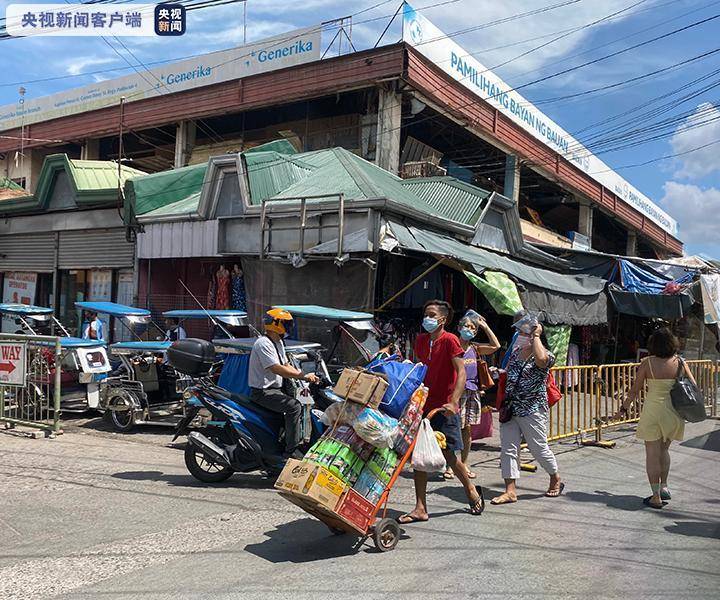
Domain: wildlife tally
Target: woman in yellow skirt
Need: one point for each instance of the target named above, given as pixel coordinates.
(659, 423)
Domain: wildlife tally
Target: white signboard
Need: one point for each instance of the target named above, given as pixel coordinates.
(93, 360)
(459, 64)
(710, 285)
(285, 50)
(12, 363)
(18, 288)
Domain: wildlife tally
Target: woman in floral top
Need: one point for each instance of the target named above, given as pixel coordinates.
(526, 392)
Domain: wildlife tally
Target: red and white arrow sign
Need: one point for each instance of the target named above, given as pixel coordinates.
(12, 363)
(7, 367)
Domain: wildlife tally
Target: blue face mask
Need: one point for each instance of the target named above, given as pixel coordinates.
(429, 324)
(467, 334)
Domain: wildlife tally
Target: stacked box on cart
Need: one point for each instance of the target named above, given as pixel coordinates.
(310, 481)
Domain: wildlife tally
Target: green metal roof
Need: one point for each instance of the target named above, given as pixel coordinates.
(452, 198)
(162, 190)
(94, 182)
(275, 175)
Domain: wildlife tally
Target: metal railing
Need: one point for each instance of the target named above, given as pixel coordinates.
(593, 394)
(35, 401)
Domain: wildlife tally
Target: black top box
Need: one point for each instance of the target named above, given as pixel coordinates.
(192, 356)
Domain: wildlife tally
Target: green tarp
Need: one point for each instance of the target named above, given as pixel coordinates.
(558, 337)
(499, 290)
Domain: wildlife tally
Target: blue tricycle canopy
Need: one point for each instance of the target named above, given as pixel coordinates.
(25, 310)
(244, 345)
(228, 316)
(115, 310)
(75, 342)
(150, 346)
(310, 311)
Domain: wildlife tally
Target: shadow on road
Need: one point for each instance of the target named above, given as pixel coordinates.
(709, 441)
(620, 501)
(695, 529)
(303, 541)
(255, 481)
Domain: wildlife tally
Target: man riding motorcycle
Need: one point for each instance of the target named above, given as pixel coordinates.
(268, 367)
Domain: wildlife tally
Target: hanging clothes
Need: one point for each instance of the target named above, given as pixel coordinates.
(212, 292)
(239, 301)
(222, 301)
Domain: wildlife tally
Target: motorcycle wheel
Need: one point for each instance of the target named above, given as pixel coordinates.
(121, 420)
(204, 470)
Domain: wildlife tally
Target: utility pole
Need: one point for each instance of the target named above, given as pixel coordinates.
(244, 22)
(21, 105)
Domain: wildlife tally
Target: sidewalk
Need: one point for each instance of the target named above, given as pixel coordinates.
(92, 516)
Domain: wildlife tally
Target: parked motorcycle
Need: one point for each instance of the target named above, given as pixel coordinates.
(240, 436)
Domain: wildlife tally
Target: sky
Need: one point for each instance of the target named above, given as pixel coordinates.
(678, 108)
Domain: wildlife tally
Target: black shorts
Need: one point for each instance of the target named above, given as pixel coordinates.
(450, 427)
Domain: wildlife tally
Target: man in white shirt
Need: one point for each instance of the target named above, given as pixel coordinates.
(175, 331)
(268, 367)
(93, 328)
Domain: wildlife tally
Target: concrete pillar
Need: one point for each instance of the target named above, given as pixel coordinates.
(184, 142)
(631, 248)
(512, 178)
(585, 222)
(388, 130)
(90, 150)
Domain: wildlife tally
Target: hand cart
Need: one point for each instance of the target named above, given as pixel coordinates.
(384, 531)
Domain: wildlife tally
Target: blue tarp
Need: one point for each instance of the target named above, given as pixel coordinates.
(639, 280)
(142, 346)
(323, 312)
(74, 342)
(234, 376)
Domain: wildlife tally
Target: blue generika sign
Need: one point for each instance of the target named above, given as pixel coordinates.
(279, 52)
(463, 67)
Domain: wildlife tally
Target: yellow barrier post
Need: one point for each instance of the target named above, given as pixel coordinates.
(600, 386)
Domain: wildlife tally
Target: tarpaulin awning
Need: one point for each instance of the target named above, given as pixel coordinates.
(556, 308)
(422, 240)
(641, 280)
(499, 290)
(661, 306)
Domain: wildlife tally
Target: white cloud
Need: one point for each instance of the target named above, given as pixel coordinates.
(697, 211)
(699, 129)
(81, 64)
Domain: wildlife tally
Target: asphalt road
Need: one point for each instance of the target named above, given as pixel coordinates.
(93, 514)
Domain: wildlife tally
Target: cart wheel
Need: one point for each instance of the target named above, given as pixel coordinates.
(386, 535)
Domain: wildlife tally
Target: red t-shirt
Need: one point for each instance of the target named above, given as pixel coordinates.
(440, 377)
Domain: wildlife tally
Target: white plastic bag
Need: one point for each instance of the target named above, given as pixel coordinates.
(427, 455)
(375, 428)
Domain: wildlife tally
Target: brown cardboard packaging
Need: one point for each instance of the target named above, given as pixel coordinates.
(362, 388)
(308, 480)
(356, 509)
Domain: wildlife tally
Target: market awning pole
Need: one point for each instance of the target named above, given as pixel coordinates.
(412, 283)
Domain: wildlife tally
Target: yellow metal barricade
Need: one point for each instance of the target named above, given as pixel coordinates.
(575, 413)
(705, 373)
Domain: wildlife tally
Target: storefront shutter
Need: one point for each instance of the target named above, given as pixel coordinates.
(28, 252)
(99, 248)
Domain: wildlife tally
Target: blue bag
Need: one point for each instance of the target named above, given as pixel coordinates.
(234, 376)
(403, 379)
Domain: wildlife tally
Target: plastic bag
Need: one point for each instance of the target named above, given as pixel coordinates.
(427, 455)
(375, 428)
(403, 379)
(342, 413)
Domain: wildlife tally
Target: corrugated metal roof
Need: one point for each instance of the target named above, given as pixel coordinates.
(270, 172)
(99, 174)
(452, 198)
(186, 206)
(151, 192)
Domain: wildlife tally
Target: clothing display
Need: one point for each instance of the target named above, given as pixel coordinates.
(222, 299)
(428, 288)
(239, 301)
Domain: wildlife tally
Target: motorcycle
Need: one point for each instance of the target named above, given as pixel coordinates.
(239, 436)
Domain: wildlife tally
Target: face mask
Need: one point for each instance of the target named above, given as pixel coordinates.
(522, 342)
(467, 334)
(429, 324)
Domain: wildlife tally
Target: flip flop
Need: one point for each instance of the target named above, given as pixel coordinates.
(665, 494)
(472, 475)
(496, 501)
(646, 502)
(408, 519)
(477, 507)
(448, 475)
(554, 493)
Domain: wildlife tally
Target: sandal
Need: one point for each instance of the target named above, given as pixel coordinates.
(647, 502)
(555, 492)
(477, 507)
(408, 518)
(471, 474)
(448, 475)
(503, 498)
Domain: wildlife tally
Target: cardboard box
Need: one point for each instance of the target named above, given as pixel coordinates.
(356, 509)
(362, 388)
(309, 480)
